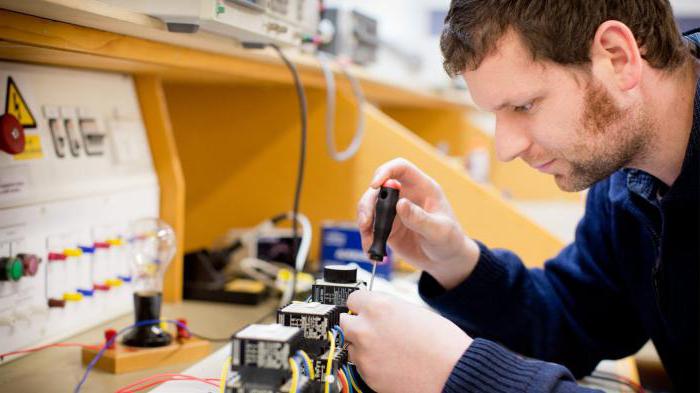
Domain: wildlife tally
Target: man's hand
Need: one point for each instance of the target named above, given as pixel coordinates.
(426, 234)
(400, 347)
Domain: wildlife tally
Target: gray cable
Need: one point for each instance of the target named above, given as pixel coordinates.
(330, 111)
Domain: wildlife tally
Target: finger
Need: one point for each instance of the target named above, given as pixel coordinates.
(398, 168)
(349, 325)
(358, 301)
(365, 210)
(417, 219)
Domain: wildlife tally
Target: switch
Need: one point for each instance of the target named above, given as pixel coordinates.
(115, 242)
(56, 257)
(68, 114)
(11, 269)
(30, 262)
(58, 137)
(101, 245)
(57, 303)
(72, 252)
(87, 250)
(86, 292)
(72, 297)
(11, 134)
(113, 282)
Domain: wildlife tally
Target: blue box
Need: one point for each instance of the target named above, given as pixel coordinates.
(341, 244)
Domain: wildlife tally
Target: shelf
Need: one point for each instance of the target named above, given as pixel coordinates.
(174, 58)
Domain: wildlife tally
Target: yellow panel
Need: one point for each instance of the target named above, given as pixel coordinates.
(239, 149)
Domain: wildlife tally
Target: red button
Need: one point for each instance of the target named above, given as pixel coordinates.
(101, 245)
(100, 287)
(30, 263)
(11, 134)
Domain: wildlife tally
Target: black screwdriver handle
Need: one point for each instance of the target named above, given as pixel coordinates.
(384, 213)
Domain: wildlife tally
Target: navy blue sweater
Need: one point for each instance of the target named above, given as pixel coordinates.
(630, 275)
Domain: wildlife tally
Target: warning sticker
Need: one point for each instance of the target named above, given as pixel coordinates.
(32, 148)
(17, 106)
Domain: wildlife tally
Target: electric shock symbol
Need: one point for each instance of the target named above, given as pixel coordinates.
(17, 106)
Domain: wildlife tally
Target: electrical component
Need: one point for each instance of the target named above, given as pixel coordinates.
(314, 319)
(260, 359)
(356, 35)
(282, 22)
(338, 282)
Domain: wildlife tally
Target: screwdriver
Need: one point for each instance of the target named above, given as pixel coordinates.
(384, 213)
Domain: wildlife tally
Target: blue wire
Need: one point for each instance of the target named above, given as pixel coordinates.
(111, 341)
(302, 362)
(346, 368)
(340, 332)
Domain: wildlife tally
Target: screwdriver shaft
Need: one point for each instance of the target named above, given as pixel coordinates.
(374, 271)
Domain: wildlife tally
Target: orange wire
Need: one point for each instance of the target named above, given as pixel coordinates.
(343, 381)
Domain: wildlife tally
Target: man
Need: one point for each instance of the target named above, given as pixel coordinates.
(598, 93)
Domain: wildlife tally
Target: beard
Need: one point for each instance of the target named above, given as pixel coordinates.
(612, 138)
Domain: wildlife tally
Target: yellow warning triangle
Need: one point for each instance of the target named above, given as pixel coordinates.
(17, 106)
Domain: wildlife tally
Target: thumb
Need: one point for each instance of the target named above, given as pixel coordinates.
(417, 219)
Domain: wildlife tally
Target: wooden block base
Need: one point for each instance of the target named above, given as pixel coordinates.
(123, 359)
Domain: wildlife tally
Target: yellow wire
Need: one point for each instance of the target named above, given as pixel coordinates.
(295, 375)
(352, 381)
(224, 373)
(309, 364)
(329, 363)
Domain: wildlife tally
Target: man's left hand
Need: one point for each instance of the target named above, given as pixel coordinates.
(398, 346)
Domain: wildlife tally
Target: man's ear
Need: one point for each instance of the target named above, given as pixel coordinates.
(615, 56)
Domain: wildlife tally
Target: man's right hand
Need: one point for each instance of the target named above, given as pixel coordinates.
(426, 234)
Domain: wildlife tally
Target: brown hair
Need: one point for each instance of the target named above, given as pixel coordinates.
(557, 30)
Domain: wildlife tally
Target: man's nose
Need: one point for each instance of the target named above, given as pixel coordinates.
(512, 139)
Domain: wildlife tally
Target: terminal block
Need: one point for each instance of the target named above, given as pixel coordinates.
(340, 358)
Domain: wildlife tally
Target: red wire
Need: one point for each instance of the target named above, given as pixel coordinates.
(344, 382)
(42, 347)
(164, 378)
(143, 387)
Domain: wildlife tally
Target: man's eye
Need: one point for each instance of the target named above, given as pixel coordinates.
(523, 108)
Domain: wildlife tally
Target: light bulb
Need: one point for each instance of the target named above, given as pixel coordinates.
(153, 246)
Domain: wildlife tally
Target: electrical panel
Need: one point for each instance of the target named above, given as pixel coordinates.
(83, 173)
(281, 22)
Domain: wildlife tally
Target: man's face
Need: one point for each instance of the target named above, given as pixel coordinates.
(560, 121)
